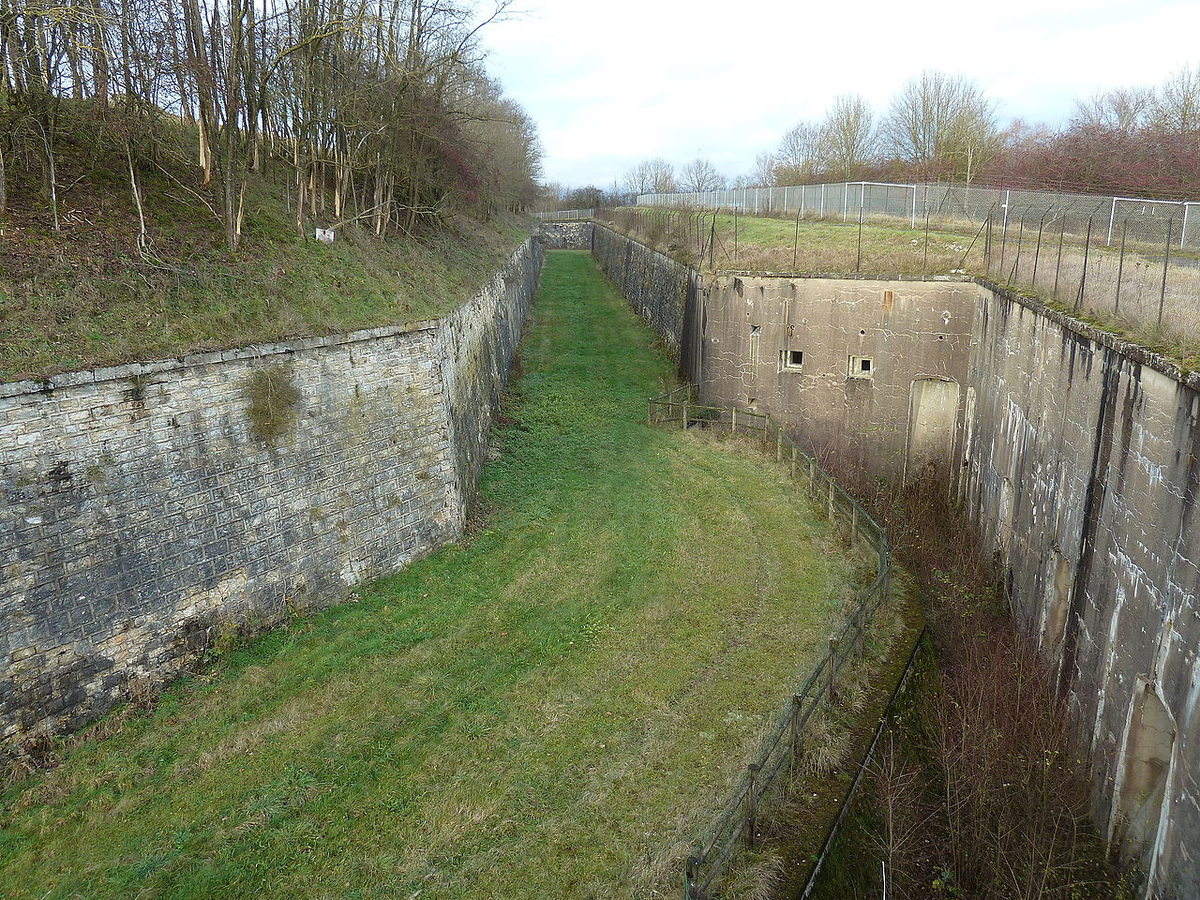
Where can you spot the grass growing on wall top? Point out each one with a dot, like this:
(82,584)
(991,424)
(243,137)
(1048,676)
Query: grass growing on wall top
(554,709)
(83,297)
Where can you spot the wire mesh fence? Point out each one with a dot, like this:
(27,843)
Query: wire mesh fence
(1145,220)
(1069,259)
(727,239)
(766,778)
(1137,282)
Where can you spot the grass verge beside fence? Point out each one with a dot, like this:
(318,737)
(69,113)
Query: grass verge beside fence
(800,741)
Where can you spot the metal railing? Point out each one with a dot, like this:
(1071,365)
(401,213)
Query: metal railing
(564,215)
(782,750)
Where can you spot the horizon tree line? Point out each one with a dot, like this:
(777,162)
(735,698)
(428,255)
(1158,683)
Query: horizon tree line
(943,127)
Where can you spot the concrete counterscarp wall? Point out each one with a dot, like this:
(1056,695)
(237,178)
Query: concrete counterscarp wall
(843,361)
(1083,471)
(1077,454)
(144,514)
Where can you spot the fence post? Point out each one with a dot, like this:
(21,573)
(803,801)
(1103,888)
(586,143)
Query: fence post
(1162,296)
(792,472)
(691,870)
(832,665)
(778,444)
(797,704)
(1058,265)
(733,420)
(752,802)
(853,524)
(685,415)
(1121,267)
(1087,246)
(830,501)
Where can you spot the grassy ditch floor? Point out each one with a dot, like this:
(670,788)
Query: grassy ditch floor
(555,708)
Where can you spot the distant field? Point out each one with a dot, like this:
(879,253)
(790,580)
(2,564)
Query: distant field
(554,709)
(83,296)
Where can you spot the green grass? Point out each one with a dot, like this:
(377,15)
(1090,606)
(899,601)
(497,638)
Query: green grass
(556,708)
(83,297)
(765,244)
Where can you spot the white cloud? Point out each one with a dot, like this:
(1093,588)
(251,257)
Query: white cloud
(614,82)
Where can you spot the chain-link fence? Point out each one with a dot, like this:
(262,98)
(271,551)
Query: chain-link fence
(1143,221)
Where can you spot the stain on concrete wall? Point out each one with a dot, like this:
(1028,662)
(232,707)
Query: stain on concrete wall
(142,515)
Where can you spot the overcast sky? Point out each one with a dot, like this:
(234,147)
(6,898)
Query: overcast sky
(611,82)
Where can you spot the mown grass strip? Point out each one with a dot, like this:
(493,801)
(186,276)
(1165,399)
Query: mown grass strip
(554,708)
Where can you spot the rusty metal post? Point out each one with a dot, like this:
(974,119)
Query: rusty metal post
(1121,267)
(1087,247)
(691,875)
(1162,295)
(832,664)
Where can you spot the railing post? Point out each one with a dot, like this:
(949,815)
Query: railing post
(797,706)
(691,872)
(752,802)
(832,664)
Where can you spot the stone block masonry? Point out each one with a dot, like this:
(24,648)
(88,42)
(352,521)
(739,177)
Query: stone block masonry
(144,514)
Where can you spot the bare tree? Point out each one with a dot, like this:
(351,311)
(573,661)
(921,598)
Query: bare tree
(650,176)
(1121,109)
(942,125)
(700,175)
(1176,105)
(848,137)
(764,171)
(797,160)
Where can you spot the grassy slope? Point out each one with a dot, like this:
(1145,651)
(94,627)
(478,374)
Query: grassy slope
(553,710)
(83,297)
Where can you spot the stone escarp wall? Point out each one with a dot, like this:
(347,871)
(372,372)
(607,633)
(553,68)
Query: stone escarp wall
(1083,469)
(150,508)
(664,292)
(477,345)
(566,235)
(1077,454)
